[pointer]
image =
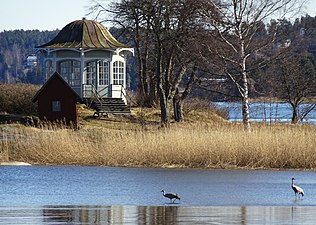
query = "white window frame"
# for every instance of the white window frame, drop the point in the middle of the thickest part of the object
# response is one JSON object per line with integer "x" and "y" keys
{"x": 118, "y": 73}
{"x": 91, "y": 72}
{"x": 104, "y": 72}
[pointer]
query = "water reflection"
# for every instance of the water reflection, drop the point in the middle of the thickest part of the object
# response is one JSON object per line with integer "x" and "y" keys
{"x": 156, "y": 215}
{"x": 105, "y": 195}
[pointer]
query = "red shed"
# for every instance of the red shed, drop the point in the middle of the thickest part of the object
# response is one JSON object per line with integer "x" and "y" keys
{"x": 57, "y": 101}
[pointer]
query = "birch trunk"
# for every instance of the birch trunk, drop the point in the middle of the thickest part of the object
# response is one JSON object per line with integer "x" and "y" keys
{"x": 245, "y": 100}
{"x": 244, "y": 86}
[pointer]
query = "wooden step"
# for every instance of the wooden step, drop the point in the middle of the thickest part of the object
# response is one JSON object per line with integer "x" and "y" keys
{"x": 107, "y": 106}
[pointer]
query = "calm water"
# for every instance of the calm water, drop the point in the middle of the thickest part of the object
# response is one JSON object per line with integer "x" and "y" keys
{"x": 106, "y": 195}
{"x": 267, "y": 112}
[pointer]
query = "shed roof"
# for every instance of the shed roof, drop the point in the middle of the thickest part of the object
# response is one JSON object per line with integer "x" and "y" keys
{"x": 84, "y": 34}
{"x": 55, "y": 76}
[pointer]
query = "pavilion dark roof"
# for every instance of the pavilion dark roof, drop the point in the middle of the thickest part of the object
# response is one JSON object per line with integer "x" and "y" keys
{"x": 84, "y": 34}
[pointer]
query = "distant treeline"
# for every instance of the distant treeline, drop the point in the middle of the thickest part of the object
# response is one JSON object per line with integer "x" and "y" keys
{"x": 15, "y": 46}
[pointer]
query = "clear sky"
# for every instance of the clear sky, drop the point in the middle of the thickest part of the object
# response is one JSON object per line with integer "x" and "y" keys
{"x": 40, "y": 14}
{"x": 55, "y": 14}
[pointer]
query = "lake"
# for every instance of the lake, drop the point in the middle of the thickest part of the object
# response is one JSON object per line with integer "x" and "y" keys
{"x": 107, "y": 195}
{"x": 265, "y": 112}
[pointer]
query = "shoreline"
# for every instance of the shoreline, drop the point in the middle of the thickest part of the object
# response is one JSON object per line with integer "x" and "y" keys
{"x": 16, "y": 163}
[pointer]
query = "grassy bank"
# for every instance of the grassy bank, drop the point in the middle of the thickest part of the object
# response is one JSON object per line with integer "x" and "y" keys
{"x": 200, "y": 142}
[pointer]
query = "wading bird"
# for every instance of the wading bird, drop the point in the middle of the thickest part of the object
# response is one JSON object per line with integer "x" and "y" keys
{"x": 297, "y": 190}
{"x": 171, "y": 196}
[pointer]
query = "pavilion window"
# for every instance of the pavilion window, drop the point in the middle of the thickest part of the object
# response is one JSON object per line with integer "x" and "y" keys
{"x": 91, "y": 72}
{"x": 64, "y": 70}
{"x": 118, "y": 73}
{"x": 104, "y": 72}
{"x": 70, "y": 71}
{"x": 74, "y": 79}
{"x": 49, "y": 69}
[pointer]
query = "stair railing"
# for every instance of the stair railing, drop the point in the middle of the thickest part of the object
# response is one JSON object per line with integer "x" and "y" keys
{"x": 93, "y": 94}
{"x": 128, "y": 98}
{"x": 103, "y": 90}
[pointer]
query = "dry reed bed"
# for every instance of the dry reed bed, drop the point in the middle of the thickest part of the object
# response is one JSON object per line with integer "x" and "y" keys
{"x": 195, "y": 147}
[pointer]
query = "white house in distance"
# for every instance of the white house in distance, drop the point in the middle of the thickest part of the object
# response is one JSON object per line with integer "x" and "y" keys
{"x": 89, "y": 59}
{"x": 31, "y": 60}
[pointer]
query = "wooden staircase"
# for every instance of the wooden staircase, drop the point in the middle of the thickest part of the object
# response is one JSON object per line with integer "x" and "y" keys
{"x": 106, "y": 106}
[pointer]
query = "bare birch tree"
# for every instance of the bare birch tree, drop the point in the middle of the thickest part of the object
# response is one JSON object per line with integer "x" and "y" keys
{"x": 235, "y": 32}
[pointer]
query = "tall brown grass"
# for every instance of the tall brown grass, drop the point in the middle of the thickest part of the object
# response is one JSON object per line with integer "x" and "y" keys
{"x": 16, "y": 98}
{"x": 195, "y": 146}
